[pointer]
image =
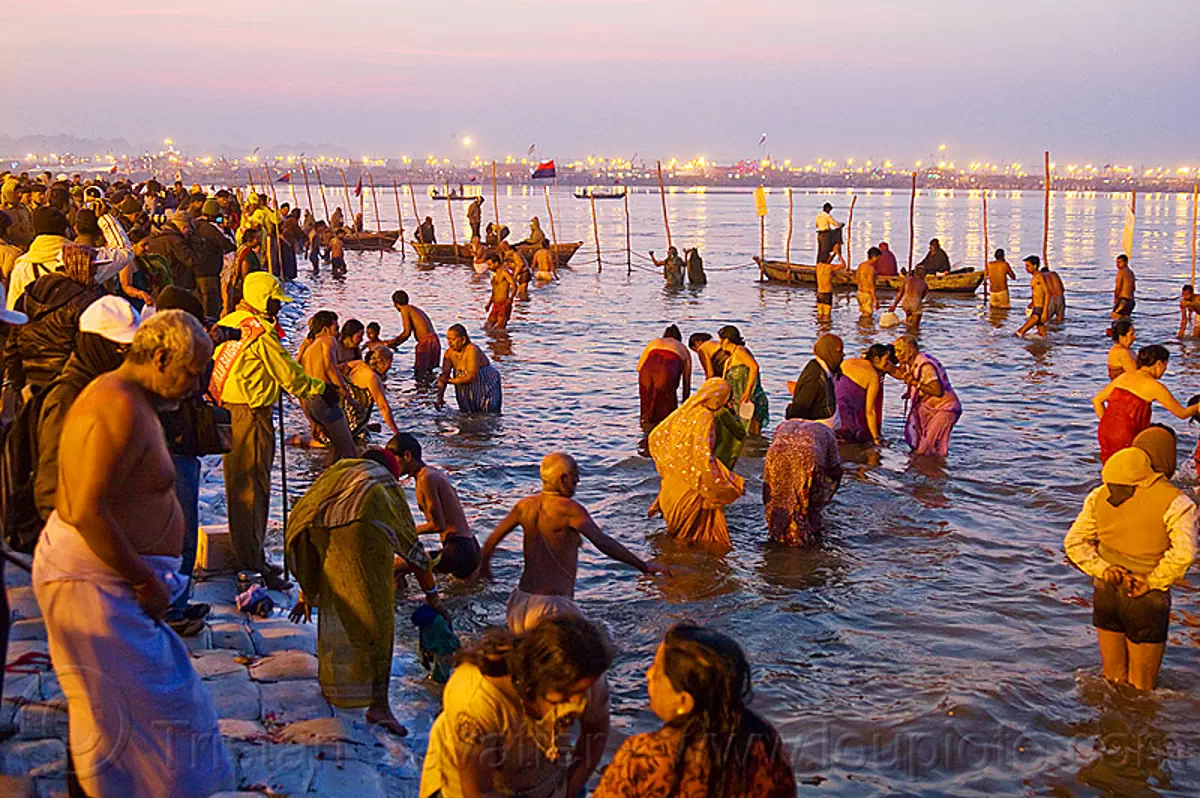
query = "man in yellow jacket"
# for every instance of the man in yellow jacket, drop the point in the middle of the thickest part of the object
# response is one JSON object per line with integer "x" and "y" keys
{"x": 248, "y": 375}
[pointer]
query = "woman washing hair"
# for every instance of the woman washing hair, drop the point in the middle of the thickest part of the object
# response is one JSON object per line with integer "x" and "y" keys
{"x": 712, "y": 745}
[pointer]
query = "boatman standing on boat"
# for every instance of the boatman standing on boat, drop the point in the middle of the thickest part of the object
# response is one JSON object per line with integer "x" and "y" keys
{"x": 998, "y": 273}
{"x": 426, "y": 233}
{"x": 475, "y": 215}
{"x": 1123, "y": 292}
{"x": 829, "y": 233}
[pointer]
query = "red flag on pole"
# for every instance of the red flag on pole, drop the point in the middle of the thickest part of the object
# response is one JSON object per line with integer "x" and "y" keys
{"x": 358, "y": 187}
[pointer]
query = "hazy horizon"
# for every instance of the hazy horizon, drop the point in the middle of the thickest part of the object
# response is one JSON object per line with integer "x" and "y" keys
{"x": 860, "y": 78}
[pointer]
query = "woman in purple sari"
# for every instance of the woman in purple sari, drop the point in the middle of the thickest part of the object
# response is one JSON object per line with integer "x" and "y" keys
{"x": 934, "y": 408}
{"x": 860, "y": 394}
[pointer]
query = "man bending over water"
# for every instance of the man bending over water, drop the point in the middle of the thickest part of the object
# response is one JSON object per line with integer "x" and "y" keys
{"x": 428, "y": 351}
{"x": 442, "y": 508}
{"x": 554, "y": 525}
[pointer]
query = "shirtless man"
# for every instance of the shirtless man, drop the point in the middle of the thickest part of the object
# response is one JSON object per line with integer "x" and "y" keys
{"x": 1039, "y": 304}
{"x": 337, "y": 254}
{"x": 544, "y": 267}
{"x": 911, "y": 296}
{"x": 1056, "y": 305}
{"x": 518, "y": 266}
{"x": 554, "y": 526}
{"x": 443, "y": 511}
{"x": 998, "y": 273}
{"x": 1189, "y": 310}
{"x": 106, "y": 569}
{"x": 864, "y": 275}
{"x": 320, "y": 361}
{"x": 428, "y": 351}
{"x": 825, "y": 288}
{"x": 504, "y": 288}
{"x": 1124, "y": 289}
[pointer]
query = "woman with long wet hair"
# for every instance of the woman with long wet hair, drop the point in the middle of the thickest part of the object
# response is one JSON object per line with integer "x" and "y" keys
{"x": 712, "y": 745}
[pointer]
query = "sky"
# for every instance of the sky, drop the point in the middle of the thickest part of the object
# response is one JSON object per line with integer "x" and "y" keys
{"x": 1095, "y": 80}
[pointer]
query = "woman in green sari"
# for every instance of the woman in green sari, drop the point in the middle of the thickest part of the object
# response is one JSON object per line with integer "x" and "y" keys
{"x": 741, "y": 372}
{"x": 341, "y": 540}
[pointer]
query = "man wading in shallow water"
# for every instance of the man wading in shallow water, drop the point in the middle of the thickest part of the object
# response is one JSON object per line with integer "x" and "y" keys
{"x": 554, "y": 525}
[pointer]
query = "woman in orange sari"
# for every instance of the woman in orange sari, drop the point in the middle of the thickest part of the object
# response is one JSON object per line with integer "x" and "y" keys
{"x": 695, "y": 485}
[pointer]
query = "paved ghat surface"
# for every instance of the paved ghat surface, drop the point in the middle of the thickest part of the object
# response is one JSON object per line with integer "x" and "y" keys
{"x": 262, "y": 673}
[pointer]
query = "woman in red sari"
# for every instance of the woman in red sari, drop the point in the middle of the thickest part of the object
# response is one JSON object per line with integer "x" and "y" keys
{"x": 1123, "y": 406}
{"x": 712, "y": 744}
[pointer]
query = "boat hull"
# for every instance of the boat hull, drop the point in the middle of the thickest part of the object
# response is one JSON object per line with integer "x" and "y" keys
{"x": 962, "y": 282}
{"x": 461, "y": 253}
{"x": 371, "y": 242}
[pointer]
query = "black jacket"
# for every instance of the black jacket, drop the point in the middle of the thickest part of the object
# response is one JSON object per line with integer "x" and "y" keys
{"x": 815, "y": 398}
{"x": 171, "y": 244}
{"x": 59, "y": 397}
{"x": 36, "y": 353}
{"x": 211, "y": 246}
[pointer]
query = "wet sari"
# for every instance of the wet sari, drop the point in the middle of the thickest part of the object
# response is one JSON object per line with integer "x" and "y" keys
{"x": 737, "y": 376}
{"x": 801, "y": 472}
{"x": 695, "y": 484}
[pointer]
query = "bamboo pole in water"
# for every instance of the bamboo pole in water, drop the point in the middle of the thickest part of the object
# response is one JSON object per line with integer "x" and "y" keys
{"x": 273, "y": 248}
{"x": 550, "y": 212}
{"x": 850, "y": 224}
{"x": 762, "y": 241}
{"x": 1046, "y": 217}
{"x": 629, "y": 239}
{"x": 399, "y": 216}
{"x": 595, "y": 230}
{"x": 349, "y": 203}
{"x": 987, "y": 283}
{"x": 662, "y": 193}
{"x": 450, "y": 213}
{"x": 1195, "y": 198}
{"x": 321, "y": 188}
{"x": 307, "y": 187}
{"x": 787, "y": 250}
{"x": 412, "y": 195}
{"x": 912, "y": 211}
{"x": 495, "y": 203}
{"x": 378, "y": 221}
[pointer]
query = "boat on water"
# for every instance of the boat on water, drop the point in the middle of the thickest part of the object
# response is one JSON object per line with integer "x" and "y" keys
{"x": 461, "y": 253}
{"x": 461, "y": 195}
{"x": 384, "y": 239}
{"x": 601, "y": 192}
{"x": 963, "y": 281}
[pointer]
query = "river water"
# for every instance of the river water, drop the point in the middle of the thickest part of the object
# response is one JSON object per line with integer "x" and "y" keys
{"x": 936, "y": 642}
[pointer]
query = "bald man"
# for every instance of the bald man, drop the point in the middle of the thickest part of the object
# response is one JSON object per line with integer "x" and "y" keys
{"x": 554, "y": 525}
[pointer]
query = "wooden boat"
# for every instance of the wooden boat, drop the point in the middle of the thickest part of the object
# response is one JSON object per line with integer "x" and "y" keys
{"x": 600, "y": 192}
{"x": 371, "y": 241}
{"x": 958, "y": 282}
{"x": 455, "y": 196}
{"x": 461, "y": 253}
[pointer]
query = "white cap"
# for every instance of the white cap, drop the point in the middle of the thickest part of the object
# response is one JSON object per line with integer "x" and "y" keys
{"x": 111, "y": 317}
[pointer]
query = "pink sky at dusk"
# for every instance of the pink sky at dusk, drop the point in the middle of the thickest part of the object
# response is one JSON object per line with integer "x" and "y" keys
{"x": 888, "y": 78}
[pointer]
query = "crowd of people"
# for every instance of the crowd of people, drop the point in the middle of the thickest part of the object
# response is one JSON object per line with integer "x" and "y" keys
{"x": 141, "y": 333}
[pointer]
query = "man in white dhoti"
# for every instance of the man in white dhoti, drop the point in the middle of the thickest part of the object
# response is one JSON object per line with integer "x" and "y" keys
{"x": 105, "y": 570}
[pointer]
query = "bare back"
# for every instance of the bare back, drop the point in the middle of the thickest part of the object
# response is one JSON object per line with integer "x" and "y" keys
{"x": 440, "y": 504}
{"x": 865, "y": 276}
{"x": 550, "y": 543}
{"x": 417, "y": 321}
{"x": 1126, "y": 283}
{"x": 998, "y": 274}
{"x": 319, "y": 359}
{"x": 122, "y": 468}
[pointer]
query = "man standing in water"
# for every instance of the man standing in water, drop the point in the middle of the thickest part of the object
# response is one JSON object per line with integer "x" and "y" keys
{"x": 544, "y": 267}
{"x": 504, "y": 288}
{"x": 320, "y": 362}
{"x": 825, "y": 272}
{"x": 105, "y": 571}
{"x": 998, "y": 273}
{"x": 1056, "y": 305}
{"x": 911, "y": 296}
{"x": 1124, "y": 289}
{"x": 444, "y": 516}
{"x": 672, "y": 267}
{"x": 868, "y": 301}
{"x": 428, "y": 352}
{"x": 554, "y": 526}
{"x": 1039, "y": 303}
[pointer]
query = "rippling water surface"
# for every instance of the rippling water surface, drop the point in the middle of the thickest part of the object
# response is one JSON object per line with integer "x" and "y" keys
{"x": 936, "y": 642}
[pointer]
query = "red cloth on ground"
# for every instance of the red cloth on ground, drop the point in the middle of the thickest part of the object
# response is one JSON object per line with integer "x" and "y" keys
{"x": 658, "y": 384}
{"x": 1126, "y": 415}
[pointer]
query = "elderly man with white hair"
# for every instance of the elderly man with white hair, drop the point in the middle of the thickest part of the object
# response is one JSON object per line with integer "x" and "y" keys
{"x": 107, "y": 566}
